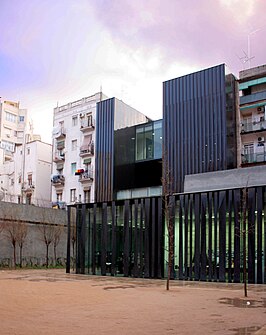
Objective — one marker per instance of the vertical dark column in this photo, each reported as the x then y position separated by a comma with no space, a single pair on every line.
153,237
147,239
126,239
215,235
230,261
186,237
136,240
103,239
237,233
104,150
197,237
222,235
68,239
259,234
172,202
203,237
82,238
141,231
180,237
251,234
210,227
79,241
160,241
113,265
191,220
94,237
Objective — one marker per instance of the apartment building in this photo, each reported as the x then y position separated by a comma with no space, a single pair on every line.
26,178
73,151
15,128
252,87
82,141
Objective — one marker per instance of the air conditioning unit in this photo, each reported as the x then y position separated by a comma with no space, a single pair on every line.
261,109
81,115
261,139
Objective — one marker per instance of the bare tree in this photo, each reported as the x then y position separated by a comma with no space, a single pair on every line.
47,236
169,219
12,231
22,235
56,239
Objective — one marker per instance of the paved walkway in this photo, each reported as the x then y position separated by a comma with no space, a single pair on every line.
53,302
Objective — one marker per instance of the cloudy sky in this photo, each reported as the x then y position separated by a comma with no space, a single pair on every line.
57,51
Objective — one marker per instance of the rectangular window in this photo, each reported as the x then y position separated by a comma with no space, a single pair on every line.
28,151
74,121
21,118
74,144
86,196
30,179
73,167
58,196
73,195
11,117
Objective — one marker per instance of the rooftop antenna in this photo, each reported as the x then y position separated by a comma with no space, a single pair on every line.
249,57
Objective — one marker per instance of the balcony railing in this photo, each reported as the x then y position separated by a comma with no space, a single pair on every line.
87,149
86,176
59,132
254,157
58,179
87,124
251,126
59,157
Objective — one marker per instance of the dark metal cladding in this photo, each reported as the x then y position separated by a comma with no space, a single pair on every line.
195,131
104,160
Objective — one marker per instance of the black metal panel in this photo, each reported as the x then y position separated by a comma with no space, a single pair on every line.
215,236
136,240
68,241
197,237
186,209
147,239
230,259
113,265
104,239
153,237
160,240
180,238
251,234
104,159
222,235
237,234
94,236
191,220
259,234
203,261
210,241
194,124
126,239
141,231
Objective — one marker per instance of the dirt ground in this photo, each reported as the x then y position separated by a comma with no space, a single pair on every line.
53,302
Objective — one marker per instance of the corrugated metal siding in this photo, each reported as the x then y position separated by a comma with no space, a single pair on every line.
104,150
194,124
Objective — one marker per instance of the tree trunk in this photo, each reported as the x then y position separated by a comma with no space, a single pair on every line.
73,251
20,256
47,255
14,254
55,258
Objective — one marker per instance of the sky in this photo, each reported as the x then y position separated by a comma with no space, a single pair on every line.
57,51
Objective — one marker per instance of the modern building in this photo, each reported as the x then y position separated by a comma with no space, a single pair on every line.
26,178
83,147
252,87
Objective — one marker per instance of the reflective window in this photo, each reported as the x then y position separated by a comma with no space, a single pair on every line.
149,141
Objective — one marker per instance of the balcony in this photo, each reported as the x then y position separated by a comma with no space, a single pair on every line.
86,176
59,157
28,188
87,124
58,180
246,99
253,126
59,132
256,157
59,205
87,150
60,145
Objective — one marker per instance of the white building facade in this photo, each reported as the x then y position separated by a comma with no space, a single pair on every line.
26,178
73,151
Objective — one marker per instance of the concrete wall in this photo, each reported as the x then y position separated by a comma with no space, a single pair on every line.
235,178
34,249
